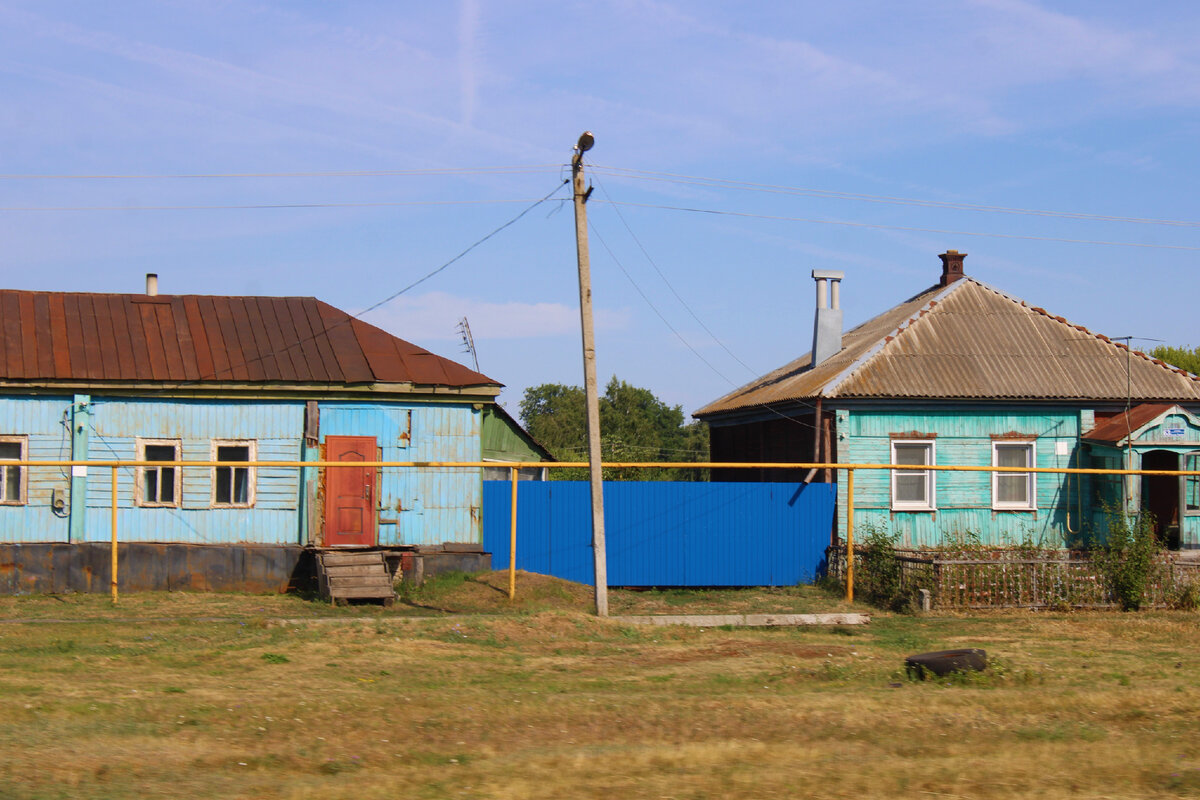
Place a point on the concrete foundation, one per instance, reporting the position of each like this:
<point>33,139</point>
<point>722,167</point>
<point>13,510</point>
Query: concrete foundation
<point>60,568</point>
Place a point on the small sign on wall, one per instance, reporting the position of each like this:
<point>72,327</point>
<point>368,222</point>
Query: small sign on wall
<point>1174,433</point>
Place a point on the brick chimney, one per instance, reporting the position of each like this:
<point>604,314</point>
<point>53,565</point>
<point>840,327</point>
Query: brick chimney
<point>827,323</point>
<point>952,266</point>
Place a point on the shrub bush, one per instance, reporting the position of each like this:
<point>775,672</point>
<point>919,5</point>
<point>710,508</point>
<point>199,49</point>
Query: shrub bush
<point>1126,558</point>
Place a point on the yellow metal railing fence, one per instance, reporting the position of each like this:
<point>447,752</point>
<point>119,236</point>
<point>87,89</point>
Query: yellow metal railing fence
<point>515,466</point>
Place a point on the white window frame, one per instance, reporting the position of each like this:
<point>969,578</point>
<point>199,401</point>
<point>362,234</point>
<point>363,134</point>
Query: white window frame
<point>251,476</point>
<point>930,501</point>
<point>23,472</point>
<point>1030,503</point>
<point>140,487</point>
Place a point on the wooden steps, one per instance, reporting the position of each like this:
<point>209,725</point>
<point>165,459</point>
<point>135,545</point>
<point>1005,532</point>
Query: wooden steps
<point>354,575</point>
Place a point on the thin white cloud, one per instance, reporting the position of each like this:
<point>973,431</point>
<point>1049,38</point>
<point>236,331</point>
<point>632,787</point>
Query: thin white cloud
<point>468,28</point>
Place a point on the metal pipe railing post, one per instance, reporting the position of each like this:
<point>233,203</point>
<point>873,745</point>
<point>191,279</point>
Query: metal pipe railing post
<point>512,539</point>
<point>114,535</point>
<point>849,536</point>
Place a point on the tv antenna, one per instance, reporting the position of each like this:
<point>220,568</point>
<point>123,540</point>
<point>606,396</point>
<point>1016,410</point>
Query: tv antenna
<point>468,341</point>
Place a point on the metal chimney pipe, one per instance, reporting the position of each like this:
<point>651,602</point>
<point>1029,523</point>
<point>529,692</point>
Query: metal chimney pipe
<point>152,283</point>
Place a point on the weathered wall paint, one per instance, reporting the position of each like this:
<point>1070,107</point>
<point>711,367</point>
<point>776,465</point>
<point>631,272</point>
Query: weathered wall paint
<point>419,506</point>
<point>274,426</point>
<point>46,421</point>
<point>963,436</point>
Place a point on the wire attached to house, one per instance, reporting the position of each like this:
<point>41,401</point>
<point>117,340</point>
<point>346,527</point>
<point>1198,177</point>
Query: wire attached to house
<point>358,315</point>
<point>678,335</point>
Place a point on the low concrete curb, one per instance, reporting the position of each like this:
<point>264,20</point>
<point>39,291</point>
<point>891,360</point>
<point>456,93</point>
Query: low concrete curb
<point>749,620</point>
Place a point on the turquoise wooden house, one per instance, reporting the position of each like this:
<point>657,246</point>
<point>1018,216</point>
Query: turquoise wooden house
<point>965,374</point>
<point>149,377</point>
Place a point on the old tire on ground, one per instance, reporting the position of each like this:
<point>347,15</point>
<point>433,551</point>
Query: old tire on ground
<point>943,662</point>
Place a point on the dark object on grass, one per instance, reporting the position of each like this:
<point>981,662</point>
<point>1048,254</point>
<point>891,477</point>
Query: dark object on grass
<point>943,662</point>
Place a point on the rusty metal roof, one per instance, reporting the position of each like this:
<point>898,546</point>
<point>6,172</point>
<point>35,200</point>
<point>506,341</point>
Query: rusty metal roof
<point>969,341</point>
<point>1118,427</point>
<point>198,339</point>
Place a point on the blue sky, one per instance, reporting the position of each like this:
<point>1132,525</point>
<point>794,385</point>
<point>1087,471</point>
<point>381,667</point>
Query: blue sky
<point>883,126</point>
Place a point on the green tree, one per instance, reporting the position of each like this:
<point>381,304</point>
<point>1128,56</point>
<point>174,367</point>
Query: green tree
<point>1183,357</point>
<point>634,426</point>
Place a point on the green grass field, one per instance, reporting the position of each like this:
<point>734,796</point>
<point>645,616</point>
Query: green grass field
<point>460,694</point>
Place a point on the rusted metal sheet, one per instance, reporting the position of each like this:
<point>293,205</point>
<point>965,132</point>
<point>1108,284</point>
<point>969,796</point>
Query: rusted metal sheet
<point>1117,428</point>
<point>969,341</point>
<point>53,568</point>
<point>199,339</point>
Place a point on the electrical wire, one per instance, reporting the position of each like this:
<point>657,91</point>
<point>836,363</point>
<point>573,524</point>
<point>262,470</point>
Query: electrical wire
<point>261,206</point>
<point>361,173</point>
<point>349,317</point>
<point>682,302</point>
<point>685,342</point>
<point>695,180</point>
<point>909,229</point>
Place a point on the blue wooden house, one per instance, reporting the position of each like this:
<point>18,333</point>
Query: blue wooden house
<point>965,374</point>
<point>149,377</point>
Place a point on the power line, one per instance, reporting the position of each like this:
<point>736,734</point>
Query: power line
<point>361,173</point>
<point>389,298</point>
<point>695,180</point>
<point>685,342</point>
<point>682,302</point>
<point>259,206</point>
<point>909,229</point>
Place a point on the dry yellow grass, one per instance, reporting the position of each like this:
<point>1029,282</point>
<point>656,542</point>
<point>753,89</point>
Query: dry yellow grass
<point>554,703</point>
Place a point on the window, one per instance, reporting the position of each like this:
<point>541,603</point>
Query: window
<point>159,487</point>
<point>12,476</point>
<point>233,486</point>
<point>1013,490</point>
<point>912,489</point>
<point>1191,484</point>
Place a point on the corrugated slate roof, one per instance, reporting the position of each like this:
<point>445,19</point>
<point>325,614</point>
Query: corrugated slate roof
<point>969,341</point>
<point>181,339</point>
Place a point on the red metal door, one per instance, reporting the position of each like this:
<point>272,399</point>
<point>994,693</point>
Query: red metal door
<point>350,492</point>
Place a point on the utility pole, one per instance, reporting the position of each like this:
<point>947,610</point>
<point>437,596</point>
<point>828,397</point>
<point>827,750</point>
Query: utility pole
<point>586,140</point>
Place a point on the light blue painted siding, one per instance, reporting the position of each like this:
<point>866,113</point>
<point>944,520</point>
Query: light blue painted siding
<point>963,436</point>
<point>419,506</point>
<point>41,420</point>
<point>275,427</point>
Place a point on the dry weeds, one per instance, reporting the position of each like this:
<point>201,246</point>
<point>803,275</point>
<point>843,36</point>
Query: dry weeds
<point>549,702</point>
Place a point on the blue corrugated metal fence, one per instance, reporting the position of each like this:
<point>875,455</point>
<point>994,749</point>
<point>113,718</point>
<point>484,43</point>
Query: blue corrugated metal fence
<point>668,533</point>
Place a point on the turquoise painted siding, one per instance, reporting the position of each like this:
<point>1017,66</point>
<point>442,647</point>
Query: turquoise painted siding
<point>962,436</point>
<point>1158,433</point>
<point>41,419</point>
<point>420,506</point>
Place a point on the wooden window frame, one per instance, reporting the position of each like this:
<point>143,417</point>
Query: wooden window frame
<point>22,497</point>
<point>140,485</point>
<point>930,502</point>
<point>1030,504</point>
<point>251,472</point>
